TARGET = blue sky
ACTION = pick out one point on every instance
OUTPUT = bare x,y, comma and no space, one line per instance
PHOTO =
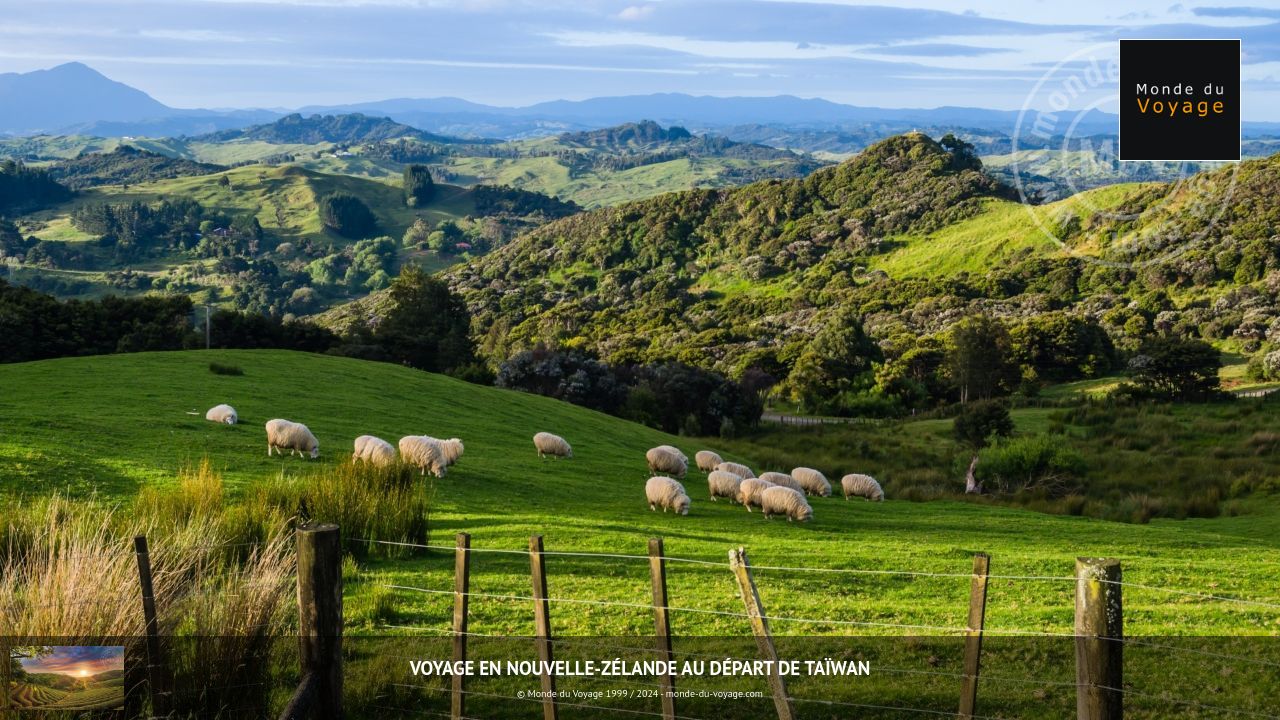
910,53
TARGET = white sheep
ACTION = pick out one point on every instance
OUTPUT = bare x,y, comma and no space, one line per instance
738,469
295,437
373,450
424,453
723,484
785,501
666,493
677,451
749,491
813,482
222,414
452,450
863,486
707,460
666,459
783,479
553,445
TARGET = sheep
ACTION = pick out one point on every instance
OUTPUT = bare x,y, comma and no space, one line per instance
552,445
452,450
723,484
663,459
676,451
783,479
738,469
373,450
222,414
749,491
666,493
785,501
707,460
424,453
295,437
813,482
863,486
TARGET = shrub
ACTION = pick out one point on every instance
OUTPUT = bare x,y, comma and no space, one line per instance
1033,463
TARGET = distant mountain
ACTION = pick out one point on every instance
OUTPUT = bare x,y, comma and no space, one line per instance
67,95
186,123
628,135
348,128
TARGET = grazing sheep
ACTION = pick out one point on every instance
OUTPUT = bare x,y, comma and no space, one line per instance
373,450
707,460
863,486
222,414
783,479
552,445
668,494
812,481
295,437
738,469
677,451
452,450
723,484
424,453
749,492
662,459
785,501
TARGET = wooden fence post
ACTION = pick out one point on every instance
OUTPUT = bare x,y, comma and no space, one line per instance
461,586
662,625
1099,640
973,634
760,627
542,627
155,663
320,616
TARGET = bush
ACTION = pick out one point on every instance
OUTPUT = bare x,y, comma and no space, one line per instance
347,215
1035,463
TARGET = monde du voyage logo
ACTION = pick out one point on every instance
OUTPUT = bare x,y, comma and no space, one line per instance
1180,100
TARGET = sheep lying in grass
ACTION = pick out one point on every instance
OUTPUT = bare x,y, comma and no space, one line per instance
663,492
222,414
666,459
785,501
812,481
723,485
783,479
863,486
707,460
424,453
452,450
552,445
738,469
295,437
749,491
373,450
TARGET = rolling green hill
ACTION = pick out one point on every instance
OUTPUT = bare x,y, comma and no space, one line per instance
140,419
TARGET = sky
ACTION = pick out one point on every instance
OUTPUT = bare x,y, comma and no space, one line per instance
903,53
72,659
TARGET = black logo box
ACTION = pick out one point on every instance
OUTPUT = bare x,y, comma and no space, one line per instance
1180,65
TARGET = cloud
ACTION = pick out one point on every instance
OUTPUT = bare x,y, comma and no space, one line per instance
937,50
1238,11
635,12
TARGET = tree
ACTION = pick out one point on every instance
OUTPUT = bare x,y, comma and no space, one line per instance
974,427
418,186
427,326
839,353
980,358
347,215
1174,368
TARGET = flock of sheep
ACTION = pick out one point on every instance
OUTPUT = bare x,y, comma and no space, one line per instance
426,453
775,493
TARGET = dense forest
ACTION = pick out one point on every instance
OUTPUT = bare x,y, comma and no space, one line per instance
25,189
127,165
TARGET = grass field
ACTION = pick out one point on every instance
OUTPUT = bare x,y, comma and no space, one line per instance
106,426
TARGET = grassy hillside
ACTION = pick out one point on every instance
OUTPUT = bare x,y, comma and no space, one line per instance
131,427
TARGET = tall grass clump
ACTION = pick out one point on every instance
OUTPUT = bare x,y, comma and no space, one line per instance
369,503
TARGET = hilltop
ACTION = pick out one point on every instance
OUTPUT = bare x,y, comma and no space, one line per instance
126,165
349,128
